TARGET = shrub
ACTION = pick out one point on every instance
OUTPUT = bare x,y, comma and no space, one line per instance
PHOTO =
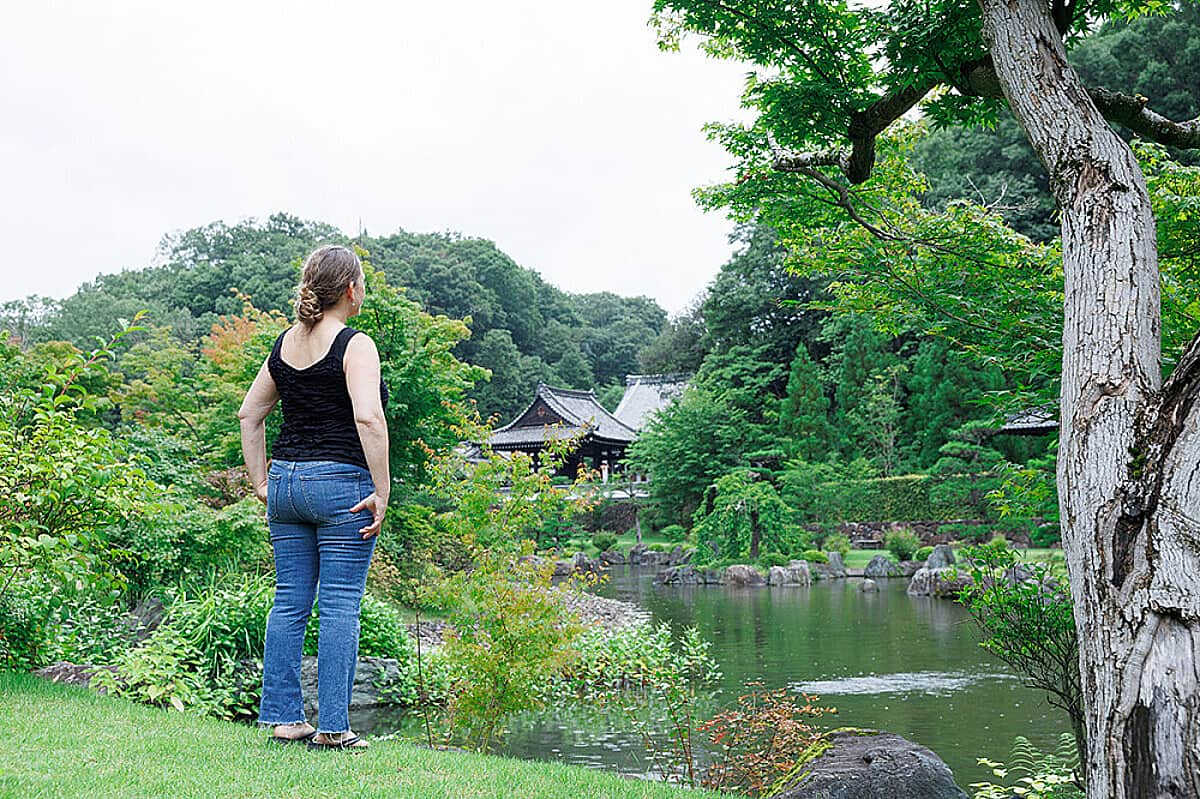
381,631
26,638
511,636
675,533
604,540
902,543
814,556
1031,772
837,542
964,532
923,553
635,657
762,745
769,559
1029,624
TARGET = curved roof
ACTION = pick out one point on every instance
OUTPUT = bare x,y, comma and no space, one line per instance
647,394
573,410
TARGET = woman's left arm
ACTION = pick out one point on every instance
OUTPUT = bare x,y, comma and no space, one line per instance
260,399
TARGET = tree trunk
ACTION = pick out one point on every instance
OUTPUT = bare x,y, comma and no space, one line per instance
1129,455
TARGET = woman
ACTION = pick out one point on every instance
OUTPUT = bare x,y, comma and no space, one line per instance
326,493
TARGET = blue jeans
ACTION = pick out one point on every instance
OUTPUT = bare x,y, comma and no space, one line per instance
318,551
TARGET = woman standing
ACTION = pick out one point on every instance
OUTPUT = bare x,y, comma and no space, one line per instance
326,493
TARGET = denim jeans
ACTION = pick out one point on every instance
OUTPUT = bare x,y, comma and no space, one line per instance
318,551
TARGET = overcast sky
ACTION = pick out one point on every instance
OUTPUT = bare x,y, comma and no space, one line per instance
556,129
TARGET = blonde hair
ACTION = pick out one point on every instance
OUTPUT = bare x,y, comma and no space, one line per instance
328,270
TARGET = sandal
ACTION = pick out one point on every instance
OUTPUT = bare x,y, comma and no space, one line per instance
283,739
344,743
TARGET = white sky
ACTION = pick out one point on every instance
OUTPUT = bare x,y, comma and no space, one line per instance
556,129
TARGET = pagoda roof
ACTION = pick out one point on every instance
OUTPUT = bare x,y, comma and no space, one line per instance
559,413
645,395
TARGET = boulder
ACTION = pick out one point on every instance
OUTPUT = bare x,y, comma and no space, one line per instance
944,583
869,586
635,554
740,575
582,563
677,556
563,568
865,764
835,569
373,678
796,573
910,567
941,557
613,557
678,575
710,576
882,566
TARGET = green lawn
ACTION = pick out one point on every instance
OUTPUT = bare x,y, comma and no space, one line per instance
62,742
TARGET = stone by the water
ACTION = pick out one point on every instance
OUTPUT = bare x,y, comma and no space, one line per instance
941,557
881,566
741,575
869,586
865,764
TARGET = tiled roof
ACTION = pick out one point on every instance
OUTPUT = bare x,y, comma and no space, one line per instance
1034,421
577,409
647,394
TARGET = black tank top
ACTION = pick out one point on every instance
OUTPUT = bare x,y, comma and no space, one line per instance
318,417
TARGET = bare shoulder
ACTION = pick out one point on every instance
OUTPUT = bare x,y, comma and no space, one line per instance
361,347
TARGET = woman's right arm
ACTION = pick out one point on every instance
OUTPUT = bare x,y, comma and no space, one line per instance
252,416
361,365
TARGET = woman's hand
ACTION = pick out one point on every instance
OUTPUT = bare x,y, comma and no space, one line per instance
378,506
260,491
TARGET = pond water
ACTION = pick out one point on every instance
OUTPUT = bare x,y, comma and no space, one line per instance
908,665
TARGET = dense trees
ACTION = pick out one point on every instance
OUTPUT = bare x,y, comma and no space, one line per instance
522,329
833,79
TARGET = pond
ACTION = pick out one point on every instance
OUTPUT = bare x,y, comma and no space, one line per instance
909,665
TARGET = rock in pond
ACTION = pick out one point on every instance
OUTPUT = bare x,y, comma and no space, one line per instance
678,575
869,586
944,583
866,764
796,573
740,575
612,557
835,569
882,566
941,557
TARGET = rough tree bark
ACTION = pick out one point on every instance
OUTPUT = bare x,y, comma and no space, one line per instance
1129,456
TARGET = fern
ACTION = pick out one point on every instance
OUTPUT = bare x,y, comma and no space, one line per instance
1034,774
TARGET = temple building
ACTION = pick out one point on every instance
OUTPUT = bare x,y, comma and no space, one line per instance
560,413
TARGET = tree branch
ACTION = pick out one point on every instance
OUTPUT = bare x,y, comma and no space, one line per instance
1131,111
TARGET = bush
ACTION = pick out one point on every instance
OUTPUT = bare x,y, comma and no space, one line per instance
923,553
604,540
511,636
770,559
1028,624
973,533
634,657
814,556
26,639
902,543
837,542
381,631
675,533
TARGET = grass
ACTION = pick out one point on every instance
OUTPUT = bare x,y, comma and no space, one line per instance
63,741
